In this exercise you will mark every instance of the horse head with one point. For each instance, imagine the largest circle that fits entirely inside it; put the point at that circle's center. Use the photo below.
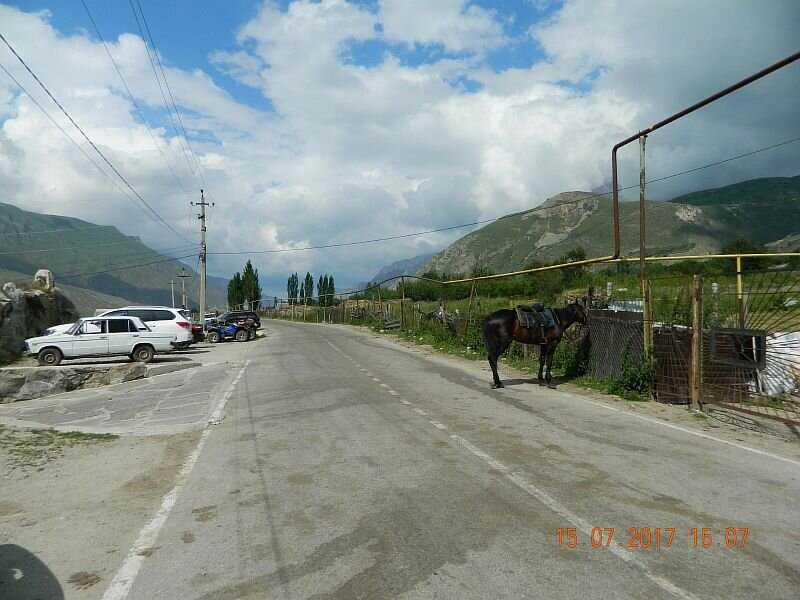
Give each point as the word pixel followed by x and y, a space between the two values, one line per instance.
pixel 580 312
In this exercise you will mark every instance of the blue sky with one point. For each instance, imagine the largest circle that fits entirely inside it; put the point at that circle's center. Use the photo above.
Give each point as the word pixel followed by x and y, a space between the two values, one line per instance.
pixel 318 123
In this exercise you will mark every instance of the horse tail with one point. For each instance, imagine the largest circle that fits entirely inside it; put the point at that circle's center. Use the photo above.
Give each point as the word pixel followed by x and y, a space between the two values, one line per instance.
pixel 488 338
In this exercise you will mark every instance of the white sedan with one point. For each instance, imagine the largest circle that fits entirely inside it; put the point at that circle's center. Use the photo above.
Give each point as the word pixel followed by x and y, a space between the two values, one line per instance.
pixel 101 336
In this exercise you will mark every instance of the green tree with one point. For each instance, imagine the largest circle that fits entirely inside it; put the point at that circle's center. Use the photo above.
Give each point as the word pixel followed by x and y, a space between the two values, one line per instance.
pixel 292 289
pixel 303 293
pixel 251 290
pixel 330 290
pixel 309 287
pixel 235 291
pixel 743 246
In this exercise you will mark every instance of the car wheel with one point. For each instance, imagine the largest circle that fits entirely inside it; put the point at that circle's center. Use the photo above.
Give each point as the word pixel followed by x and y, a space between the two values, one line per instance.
pixel 212 337
pixel 50 357
pixel 143 354
pixel 182 345
pixel 251 334
pixel 241 335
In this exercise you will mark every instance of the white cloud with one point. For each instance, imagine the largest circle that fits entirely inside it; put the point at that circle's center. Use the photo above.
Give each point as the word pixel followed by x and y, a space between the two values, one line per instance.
pixel 350 152
pixel 455 24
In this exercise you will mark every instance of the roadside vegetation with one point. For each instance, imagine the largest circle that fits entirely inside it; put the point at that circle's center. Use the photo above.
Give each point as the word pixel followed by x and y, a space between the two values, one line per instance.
pixel 34 448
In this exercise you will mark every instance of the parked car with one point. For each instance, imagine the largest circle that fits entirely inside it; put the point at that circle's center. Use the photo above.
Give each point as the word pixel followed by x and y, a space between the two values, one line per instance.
pixel 235 315
pixel 101 336
pixel 161 319
pixel 58 328
pixel 197 333
pixel 241 331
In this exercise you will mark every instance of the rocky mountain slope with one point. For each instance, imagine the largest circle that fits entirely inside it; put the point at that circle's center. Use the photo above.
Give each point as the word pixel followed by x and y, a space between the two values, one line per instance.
pixel 86 256
pixel 765 211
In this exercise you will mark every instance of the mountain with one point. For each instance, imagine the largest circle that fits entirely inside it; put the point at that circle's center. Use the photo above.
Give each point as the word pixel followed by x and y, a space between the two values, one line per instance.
pixel 765 211
pixel 93 258
pixel 408 266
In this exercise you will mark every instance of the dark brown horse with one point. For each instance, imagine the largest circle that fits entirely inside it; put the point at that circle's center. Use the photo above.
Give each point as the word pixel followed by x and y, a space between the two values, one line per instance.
pixel 502 327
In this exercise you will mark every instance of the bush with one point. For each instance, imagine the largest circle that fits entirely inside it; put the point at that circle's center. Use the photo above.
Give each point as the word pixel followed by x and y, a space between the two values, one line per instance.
pixel 638 376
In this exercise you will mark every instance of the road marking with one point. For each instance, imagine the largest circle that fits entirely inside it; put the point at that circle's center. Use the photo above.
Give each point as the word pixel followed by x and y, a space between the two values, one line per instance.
pixel 393 393
pixel 568 515
pixel 419 411
pixel 121 585
pixel 697 433
pixel 406 402
pixel 438 425
pixel 383 385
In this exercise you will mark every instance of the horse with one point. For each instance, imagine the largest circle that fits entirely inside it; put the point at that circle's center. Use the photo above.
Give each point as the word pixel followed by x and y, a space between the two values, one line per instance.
pixel 502 327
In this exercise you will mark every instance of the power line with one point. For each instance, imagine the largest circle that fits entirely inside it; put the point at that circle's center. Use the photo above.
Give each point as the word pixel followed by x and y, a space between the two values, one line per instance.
pixel 86 137
pixel 127 260
pixel 155 262
pixel 536 209
pixel 130 96
pixel 66 230
pixel 200 181
pixel 169 90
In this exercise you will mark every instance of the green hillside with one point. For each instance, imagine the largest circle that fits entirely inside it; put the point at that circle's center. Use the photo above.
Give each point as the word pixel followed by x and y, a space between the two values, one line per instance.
pixel 91 257
pixel 765 211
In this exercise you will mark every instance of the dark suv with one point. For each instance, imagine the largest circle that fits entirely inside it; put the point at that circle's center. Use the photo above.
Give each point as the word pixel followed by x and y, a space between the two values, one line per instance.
pixel 233 315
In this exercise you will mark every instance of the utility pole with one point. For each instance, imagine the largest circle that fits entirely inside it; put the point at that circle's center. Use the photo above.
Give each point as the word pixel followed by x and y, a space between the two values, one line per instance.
pixel 172 290
pixel 203 251
pixel 184 302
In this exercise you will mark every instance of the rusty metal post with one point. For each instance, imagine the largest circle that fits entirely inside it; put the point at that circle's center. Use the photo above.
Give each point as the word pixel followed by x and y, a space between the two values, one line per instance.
pixel 697 337
pixel 643 283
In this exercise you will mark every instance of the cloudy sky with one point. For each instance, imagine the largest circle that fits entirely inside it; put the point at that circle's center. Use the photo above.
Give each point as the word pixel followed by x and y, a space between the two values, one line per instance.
pixel 330 122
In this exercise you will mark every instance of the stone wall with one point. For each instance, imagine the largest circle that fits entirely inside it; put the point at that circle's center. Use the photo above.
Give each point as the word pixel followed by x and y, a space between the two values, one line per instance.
pixel 27 313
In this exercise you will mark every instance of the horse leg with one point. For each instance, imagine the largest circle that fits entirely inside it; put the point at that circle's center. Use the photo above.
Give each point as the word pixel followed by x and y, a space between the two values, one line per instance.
pixel 542 357
pixel 551 350
pixel 496 383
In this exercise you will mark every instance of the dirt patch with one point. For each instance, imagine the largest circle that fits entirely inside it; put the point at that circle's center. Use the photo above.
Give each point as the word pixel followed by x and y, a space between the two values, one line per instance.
pixel 204 514
pixel 69 500
pixel 83 580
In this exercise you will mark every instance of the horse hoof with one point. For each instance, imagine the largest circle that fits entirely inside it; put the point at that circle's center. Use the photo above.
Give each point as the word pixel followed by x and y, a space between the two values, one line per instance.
pixel 552 386
pixel 497 385
pixel 542 382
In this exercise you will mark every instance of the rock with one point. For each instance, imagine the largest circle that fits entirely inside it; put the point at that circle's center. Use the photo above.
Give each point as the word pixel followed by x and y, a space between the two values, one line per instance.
pixel 26 383
pixel 27 313
pixel 44 279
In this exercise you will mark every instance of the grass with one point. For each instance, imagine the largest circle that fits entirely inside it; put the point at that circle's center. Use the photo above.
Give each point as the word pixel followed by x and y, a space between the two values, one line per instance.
pixel 37 447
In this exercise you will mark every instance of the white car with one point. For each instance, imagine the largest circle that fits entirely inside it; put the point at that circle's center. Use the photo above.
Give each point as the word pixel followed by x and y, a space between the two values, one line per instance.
pixel 161 319
pixel 101 336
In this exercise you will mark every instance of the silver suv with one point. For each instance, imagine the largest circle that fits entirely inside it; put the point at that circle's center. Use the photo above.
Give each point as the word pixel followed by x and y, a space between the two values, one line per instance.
pixel 159 318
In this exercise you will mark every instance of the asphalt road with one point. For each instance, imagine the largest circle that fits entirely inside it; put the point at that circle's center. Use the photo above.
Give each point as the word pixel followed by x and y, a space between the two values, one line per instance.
pixel 341 465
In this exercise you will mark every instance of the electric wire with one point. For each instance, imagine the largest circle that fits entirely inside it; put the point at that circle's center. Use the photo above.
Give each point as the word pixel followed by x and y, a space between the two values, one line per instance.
pixel 532 210
pixel 155 262
pixel 86 137
pixel 132 99
pixel 172 98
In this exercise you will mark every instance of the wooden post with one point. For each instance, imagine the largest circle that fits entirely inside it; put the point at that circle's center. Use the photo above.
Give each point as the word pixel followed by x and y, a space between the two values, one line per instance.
pixel 403 304
pixel 697 337
pixel 647 317
pixel 740 290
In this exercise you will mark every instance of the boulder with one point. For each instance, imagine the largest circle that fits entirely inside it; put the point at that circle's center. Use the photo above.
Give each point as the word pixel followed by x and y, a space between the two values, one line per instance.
pixel 26 383
pixel 27 313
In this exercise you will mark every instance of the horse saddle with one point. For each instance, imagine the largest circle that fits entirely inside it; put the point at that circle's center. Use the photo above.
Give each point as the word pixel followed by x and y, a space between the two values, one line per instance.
pixel 535 315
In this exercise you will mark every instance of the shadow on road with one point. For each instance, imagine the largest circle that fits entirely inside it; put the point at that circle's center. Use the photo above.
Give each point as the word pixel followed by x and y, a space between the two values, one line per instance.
pixel 24 577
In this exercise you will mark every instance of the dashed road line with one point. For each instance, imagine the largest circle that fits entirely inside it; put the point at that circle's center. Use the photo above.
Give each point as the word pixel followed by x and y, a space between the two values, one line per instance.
pixel 121 585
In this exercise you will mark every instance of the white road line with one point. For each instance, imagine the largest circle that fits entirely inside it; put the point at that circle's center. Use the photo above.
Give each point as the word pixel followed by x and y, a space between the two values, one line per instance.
pixel 419 411
pixel 406 402
pixel 121 585
pixel 697 433
pixel 393 393
pixel 383 385
pixel 376 380
pixel 568 515
pixel 438 425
